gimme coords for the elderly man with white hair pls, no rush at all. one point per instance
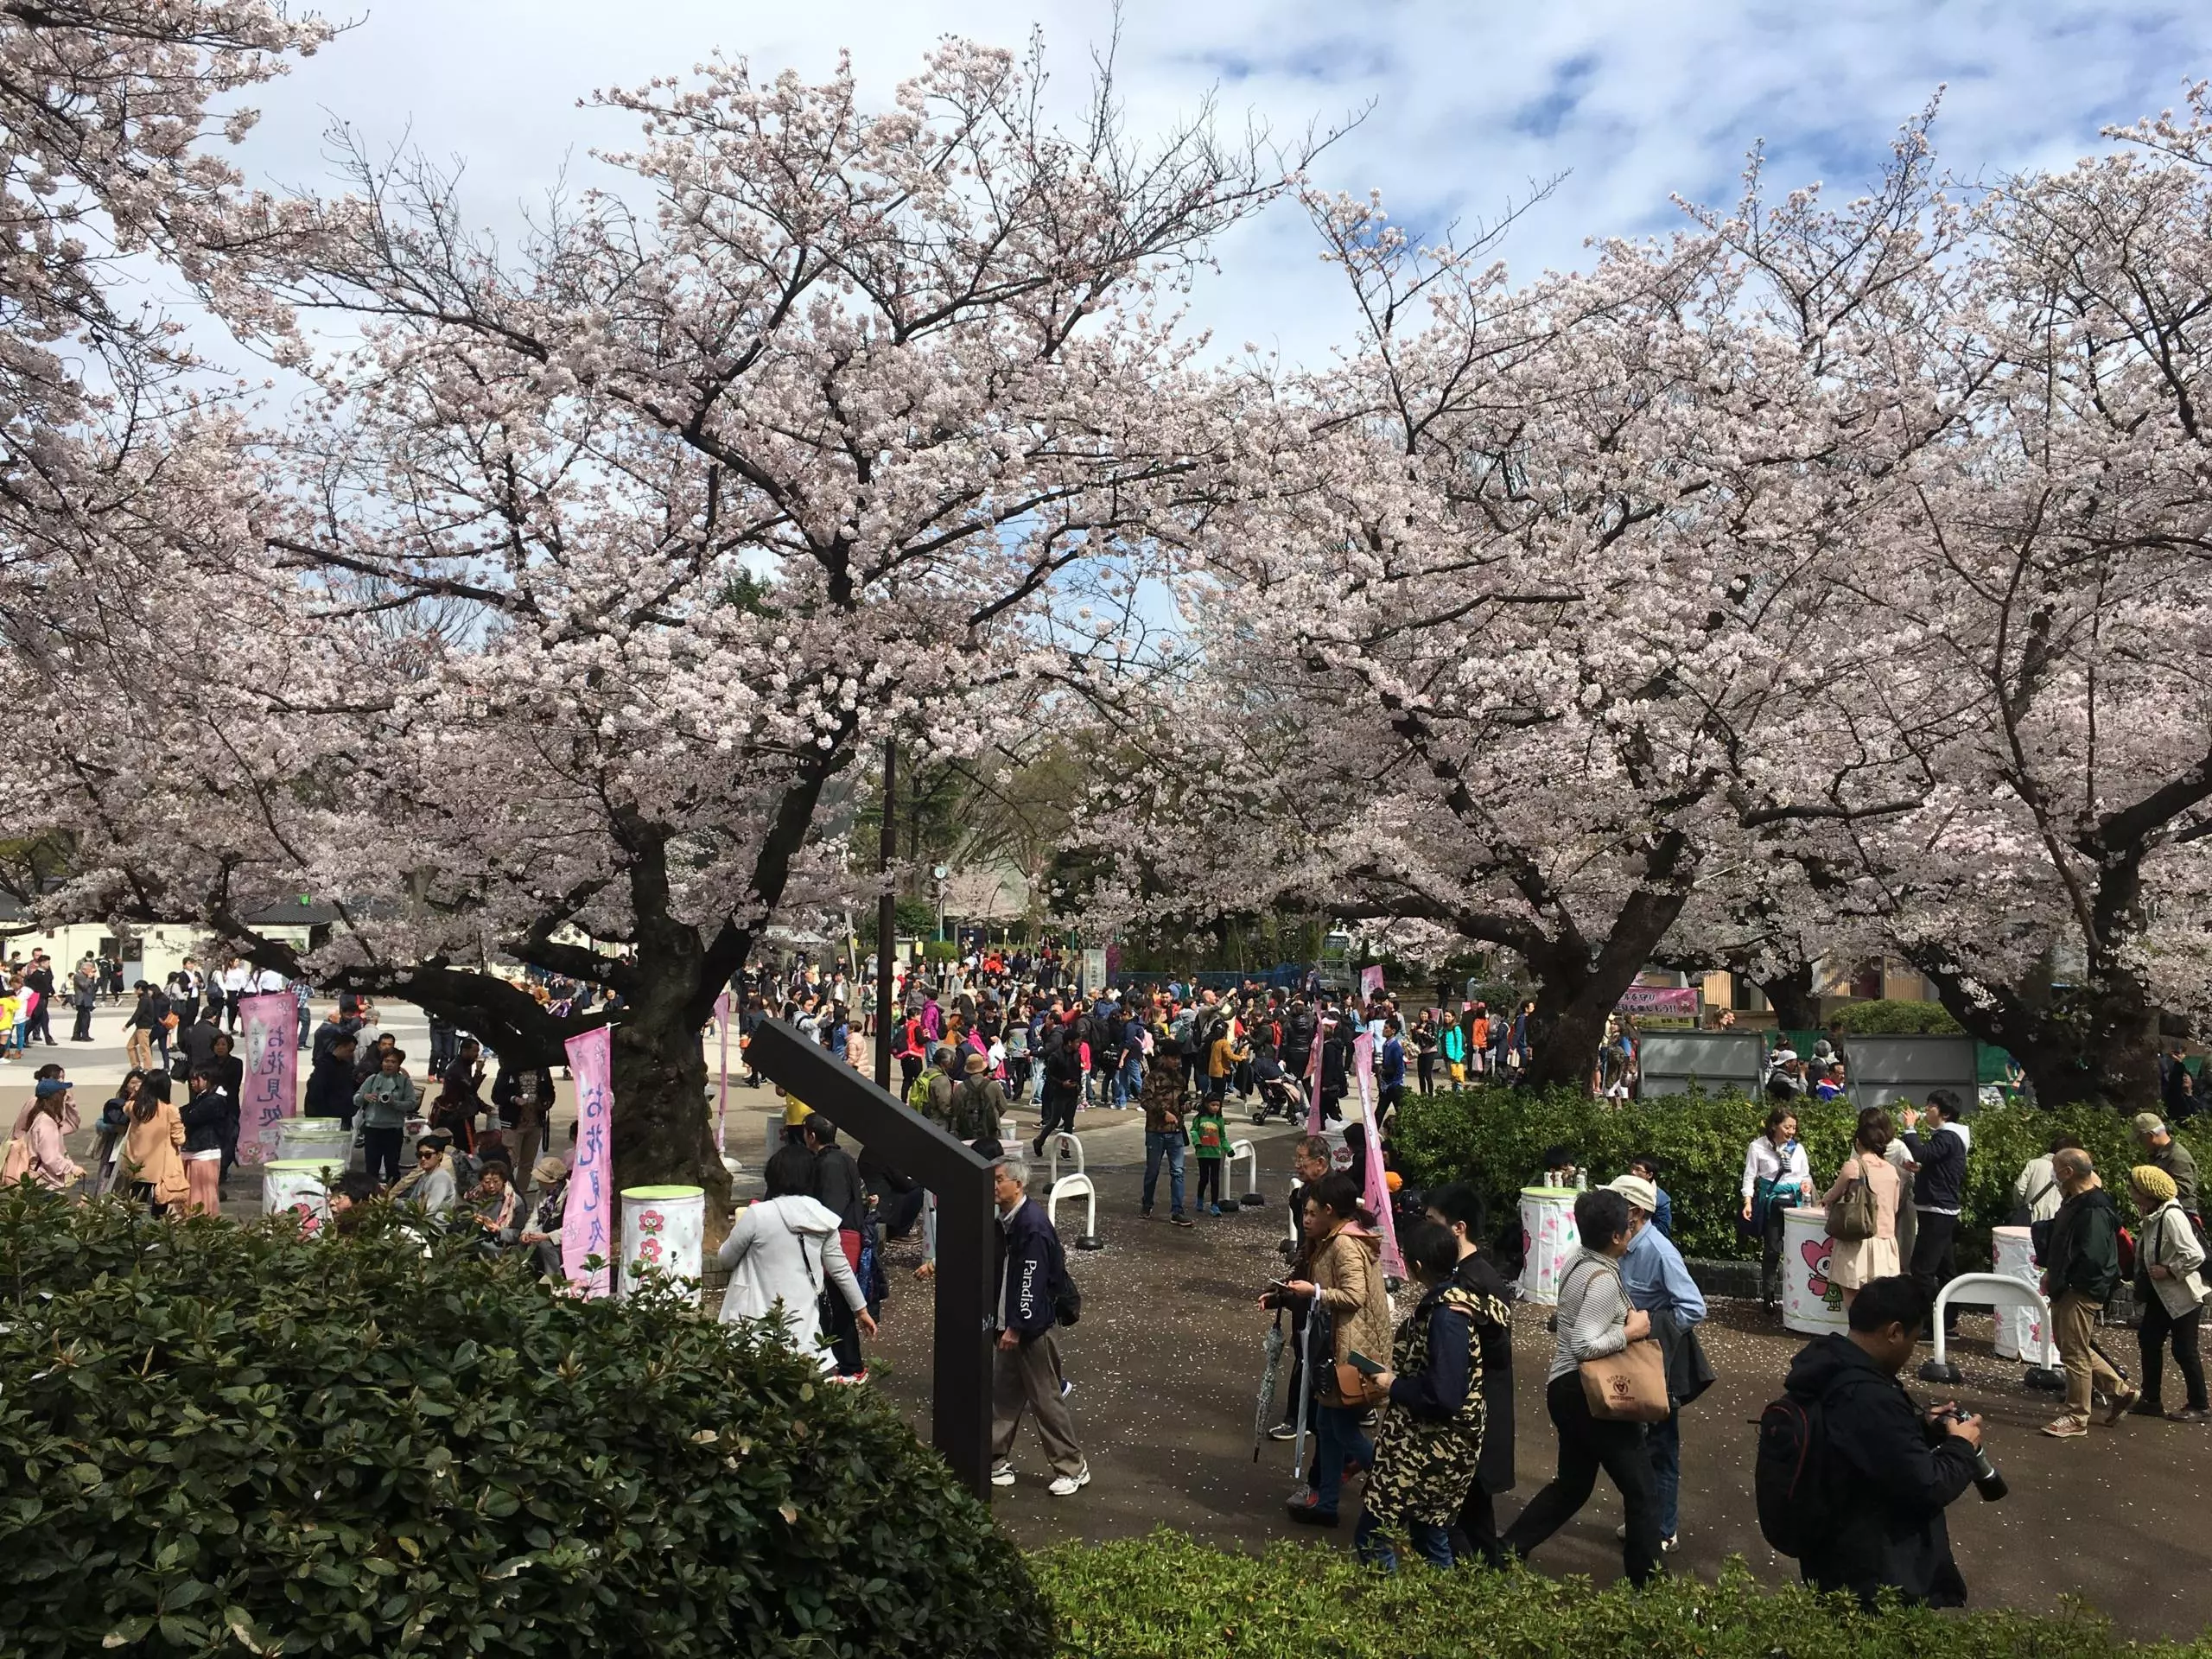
(1658, 1281)
(1034, 1287)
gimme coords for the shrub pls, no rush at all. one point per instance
(1496, 1137)
(940, 951)
(212, 1434)
(1167, 1597)
(1895, 1017)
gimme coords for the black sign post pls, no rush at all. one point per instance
(960, 1390)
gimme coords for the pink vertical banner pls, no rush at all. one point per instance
(1377, 1195)
(587, 1226)
(269, 1026)
(1314, 1077)
(721, 1106)
(1370, 982)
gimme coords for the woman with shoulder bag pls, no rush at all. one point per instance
(1594, 1322)
(2170, 1291)
(1862, 1209)
(1347, 1282)
(152, 1161)
(1776, 1177)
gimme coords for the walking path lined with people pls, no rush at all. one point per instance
(1400, 1407)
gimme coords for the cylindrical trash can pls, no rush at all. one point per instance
(295, 1184)
(314, 1140)
(1810, 1305)
(1548, 1240)
(663, 1233)
(2019, 1330)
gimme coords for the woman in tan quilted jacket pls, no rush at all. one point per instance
(1347, 1285)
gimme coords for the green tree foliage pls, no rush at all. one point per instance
(225, 1439)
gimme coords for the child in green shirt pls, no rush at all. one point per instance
(1210, 1141)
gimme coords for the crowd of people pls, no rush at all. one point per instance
(1408, 1389)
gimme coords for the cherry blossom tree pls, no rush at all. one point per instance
(1506, 633)
(2045, 563)
(600, 561)
(106, 173)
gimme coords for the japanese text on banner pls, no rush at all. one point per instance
(1377, 1195)
(270, 1024)
(586, 1228)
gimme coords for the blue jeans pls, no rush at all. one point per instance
(1431, 1544)
(1129, 1083)
(1341, 1437)
(1171, 1147)
(1664, 1441)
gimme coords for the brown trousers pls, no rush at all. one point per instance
(2073, 1322)
(1026, 1377)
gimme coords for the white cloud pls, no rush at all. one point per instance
(1633, 100)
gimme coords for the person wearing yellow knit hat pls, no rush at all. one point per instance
(2169, 1290)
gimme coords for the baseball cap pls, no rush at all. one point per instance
(2147, 1123)
(49, 1087)
(1638, 1192)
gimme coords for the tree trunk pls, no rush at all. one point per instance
(2092, 1044)
(1575, 994)
(1791, 997)
(664, 1118)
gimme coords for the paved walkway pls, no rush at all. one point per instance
(1166, 1365)
(1167, 1361)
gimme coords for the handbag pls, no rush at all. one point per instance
(17, 1163)
(1356, 1388)
(1630, 1387)
(1854, 1215)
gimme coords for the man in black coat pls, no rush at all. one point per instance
(40, 978)
(1939, 1160)
(330, 1085)
(199, 1038)
(1459, 1208)
(1887, 1469)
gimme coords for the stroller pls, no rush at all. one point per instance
(1279, 1093)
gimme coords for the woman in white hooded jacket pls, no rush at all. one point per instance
(784, 1250)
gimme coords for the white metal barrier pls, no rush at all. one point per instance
(1009, 1131)
(1077, 1186)
(1065, 1144)
(1244, 1151)
(1993, 1290)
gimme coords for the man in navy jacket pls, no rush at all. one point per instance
(1025, 1364)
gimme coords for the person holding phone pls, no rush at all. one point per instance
(1347, 1285)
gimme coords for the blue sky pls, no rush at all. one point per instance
(1632, 101)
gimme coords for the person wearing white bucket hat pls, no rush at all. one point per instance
(1658, 1281)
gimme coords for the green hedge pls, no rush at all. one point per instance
(216, 1438)
(1895, 1017)
(1168, 1596)
(1496, 1138)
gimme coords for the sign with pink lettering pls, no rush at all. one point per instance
(588, 1225)
(269, 1028)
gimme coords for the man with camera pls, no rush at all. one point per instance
(1883, 1468)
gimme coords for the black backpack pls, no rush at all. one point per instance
(1787, 1477)
(1067, 1300)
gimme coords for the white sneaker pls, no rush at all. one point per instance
(1001, 1474)
(1069, 1486)
(1665, 1544)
